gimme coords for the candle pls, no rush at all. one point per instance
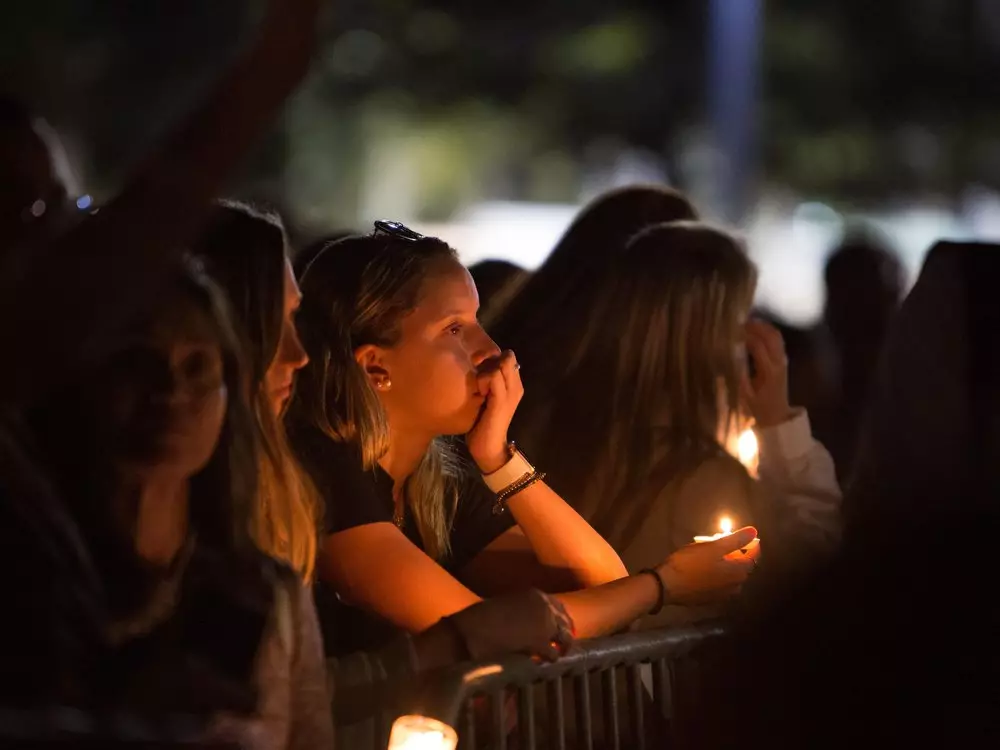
(725, 529)
(747, 451)
(421, 733)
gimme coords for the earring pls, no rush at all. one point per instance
(384, 384)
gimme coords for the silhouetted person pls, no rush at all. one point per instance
(497, 281)
(864, 286)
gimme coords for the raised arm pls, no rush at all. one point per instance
(795, 469)
(57, 302)
(551, 536)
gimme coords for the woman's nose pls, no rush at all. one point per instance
(293, 353)
(486, 349)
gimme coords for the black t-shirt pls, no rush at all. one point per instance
(353, 497)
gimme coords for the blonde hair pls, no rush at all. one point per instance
(245, 252)
(355, 292)
(658, 341)
(285, 518)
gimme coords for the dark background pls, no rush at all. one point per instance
(854, 110)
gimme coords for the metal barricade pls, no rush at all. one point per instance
(617, 692)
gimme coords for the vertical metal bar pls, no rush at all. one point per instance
(635, 698)
(609, 688)
(469, 732)
(584, 724)
(500, 720)
(661, 688)
(557, 715)
(526, 717)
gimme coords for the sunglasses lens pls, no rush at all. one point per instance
(396, 229)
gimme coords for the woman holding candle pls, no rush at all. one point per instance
(639, 416)
(419, 526)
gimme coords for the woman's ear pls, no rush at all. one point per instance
(371, 360)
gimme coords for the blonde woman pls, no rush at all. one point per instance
(246, 250)
(420, 526)
(640, 414)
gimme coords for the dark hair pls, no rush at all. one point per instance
(497, 281)
(355, 292)
(658, 338)
(245, 251)
(571, 277)
(307, 254)
(71, 429)
(14, 114)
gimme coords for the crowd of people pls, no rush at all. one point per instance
(237, 481)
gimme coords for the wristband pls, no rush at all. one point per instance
(661, 597)
(521, 484)
(516, 469)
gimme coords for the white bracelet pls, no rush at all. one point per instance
(515, 469)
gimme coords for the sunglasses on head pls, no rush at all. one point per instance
(398, 230)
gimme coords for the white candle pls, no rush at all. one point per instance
(421, 733)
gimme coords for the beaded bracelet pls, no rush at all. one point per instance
(520, 485)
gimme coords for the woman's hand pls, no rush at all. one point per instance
(766, 393)
(528, 622)
(500, 382)
(708, 571)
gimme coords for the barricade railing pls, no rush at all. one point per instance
(522, 704)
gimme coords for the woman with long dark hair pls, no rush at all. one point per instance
(420, 524)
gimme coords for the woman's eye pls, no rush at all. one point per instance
(455, 328)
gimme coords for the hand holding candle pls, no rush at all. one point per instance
(726, 529)
(710, 570)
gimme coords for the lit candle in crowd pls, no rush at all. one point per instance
(747, 451)
(725, 529)
(421, 733)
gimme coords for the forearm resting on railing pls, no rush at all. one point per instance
(612, 607)
(561, 538)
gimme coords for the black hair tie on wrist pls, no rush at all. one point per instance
(661, 597)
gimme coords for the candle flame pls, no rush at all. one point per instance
(421, 733)
(726, 525)
(746, 449)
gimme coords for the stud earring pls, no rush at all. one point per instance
(384, 384)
